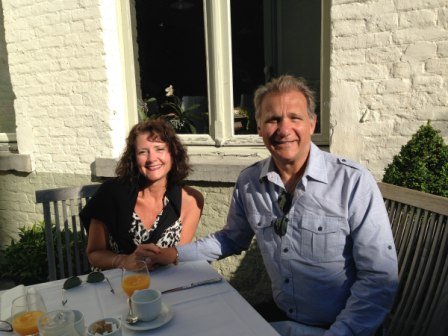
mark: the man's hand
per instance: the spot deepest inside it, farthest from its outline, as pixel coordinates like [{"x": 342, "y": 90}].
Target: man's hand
[
  {"x": 154, "y": 255},
  {"x": 159, "y": 256}
]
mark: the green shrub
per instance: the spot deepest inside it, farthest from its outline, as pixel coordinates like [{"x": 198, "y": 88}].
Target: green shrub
[
  {"x": 25, "y": 261},
  {"x": 422, "y": 163}
]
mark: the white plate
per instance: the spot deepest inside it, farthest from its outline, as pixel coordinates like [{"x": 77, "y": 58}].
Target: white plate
[{"x": 164, "y": 317}]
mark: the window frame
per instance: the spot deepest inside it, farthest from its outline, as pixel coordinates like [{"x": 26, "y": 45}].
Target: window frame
[{"x": 218, "y": 45}]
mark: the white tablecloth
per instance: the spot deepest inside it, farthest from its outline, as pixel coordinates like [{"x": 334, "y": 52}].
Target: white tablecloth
[{"x": 209, "y": 310}]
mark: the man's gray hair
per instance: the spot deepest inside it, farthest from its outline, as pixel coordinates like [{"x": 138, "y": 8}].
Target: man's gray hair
[{"x": 282, "y": 84}]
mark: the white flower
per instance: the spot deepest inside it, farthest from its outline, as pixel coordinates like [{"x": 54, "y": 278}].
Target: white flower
[{"x": 169, "y": 91}]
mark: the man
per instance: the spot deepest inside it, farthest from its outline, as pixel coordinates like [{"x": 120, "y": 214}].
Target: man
[{"x": 319, "y": 220}]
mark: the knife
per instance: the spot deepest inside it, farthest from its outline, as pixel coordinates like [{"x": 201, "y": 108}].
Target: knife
[{"x": 193, "y": 284}]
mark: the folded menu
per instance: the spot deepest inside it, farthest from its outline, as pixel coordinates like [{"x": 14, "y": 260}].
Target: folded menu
[{"x": 8, "y": 296}]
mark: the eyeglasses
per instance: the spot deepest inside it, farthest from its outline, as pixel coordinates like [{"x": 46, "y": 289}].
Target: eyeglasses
[
  {"x": 5, "y": 326},
  {"x": 75, "y": 281},
  {"x": 284, "y": 203}
]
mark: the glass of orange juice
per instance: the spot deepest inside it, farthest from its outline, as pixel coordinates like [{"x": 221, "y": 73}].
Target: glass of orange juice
[
  {"x": 26, "y": 311},
  {"x": 135, "y": 279}
]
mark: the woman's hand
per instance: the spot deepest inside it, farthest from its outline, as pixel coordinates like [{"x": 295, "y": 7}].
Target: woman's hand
[
  {"x": 160, "y": 256},
  {"x": 143, "y": 252}
]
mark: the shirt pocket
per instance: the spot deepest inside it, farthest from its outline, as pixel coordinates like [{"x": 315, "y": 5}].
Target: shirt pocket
[
  {"x": 322, "y": 238},
  {"x": 264, "y": 231}
]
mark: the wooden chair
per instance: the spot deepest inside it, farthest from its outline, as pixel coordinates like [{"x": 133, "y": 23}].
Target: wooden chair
[
  {"x": 420, "y": 228},
  {"x": 64, "y": 235}
]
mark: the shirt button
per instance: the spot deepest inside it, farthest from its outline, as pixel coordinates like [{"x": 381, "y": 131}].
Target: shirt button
[
  {"x": 285, "y": 249},
  {"x": 290, "y": 310},
  {"x": 286, "y": 280},
  {"x": 319, "y": 228},
  {"x": 389, "y": 247},
  {"x": 259, "y": 224}
]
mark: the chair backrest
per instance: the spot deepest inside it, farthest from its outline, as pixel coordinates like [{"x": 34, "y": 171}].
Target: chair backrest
[
  {"x": 65, "y": 237},
  {"x": 420, "y": 228}
]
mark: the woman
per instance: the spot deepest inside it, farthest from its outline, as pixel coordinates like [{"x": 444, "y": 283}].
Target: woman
[{"x": 145, "y": 203}]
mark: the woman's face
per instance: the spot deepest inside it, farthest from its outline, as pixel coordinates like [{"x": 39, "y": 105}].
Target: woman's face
[{"x": 153, "y": 158}]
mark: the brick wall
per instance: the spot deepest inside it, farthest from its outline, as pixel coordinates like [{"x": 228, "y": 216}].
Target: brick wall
[
  {"x": 7, "y": 118},
  {"x": 389, "y": 75},
  {"x": 59, "y": 75}
]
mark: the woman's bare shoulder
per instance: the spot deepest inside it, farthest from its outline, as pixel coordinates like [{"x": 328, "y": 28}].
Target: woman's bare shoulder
[{"x": 191, "y": 196}]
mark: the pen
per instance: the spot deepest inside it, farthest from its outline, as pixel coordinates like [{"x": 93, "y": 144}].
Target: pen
[{"x": 193, "y": 284}]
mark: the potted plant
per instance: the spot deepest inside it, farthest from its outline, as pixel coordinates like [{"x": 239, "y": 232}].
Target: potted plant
[
  {"x": 241, "y": 119},
  {"x": 184, "y": 120}
]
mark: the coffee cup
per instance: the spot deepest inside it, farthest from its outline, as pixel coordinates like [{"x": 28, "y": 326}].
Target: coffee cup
[
  {"x": 79, "y": 323},
  {"x": 147, "y": 304}
]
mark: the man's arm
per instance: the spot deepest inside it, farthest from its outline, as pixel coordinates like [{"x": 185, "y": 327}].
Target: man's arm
[
  {"x": 372, "y": 294},
  {"x": 235, "y": 237}
]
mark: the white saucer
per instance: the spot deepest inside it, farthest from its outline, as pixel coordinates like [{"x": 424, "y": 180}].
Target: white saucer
[{"x": 164, "y": 317}]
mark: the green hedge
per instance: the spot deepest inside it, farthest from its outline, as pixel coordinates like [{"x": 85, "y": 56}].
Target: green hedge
[
  {"x": 422, "y": 163},
  {"x": 25, "y": 261}
]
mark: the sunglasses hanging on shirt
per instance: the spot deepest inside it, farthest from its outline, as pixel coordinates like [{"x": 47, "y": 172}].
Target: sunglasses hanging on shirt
[{"x": 284, "y": 203}]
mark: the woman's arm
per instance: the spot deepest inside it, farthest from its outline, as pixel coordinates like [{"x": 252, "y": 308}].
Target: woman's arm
[
  {"x": 98, "y": 252},
  {"x": 101, "y": 256},
  {"x": 192, "y": 205}
]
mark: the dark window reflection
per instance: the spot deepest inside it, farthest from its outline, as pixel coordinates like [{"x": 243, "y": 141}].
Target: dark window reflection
[
  {"x": 171, "y": 43},
  {"x": 269, "y": 38},
  {"x": 247, "y": 60}
]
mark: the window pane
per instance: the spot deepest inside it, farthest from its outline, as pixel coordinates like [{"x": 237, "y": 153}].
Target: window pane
[
  {"x": 271, "y": 38},
  {"x": 298, "y": 26},
  {"x": 171, "y": 43},
  {"x": 247, "y": 60}
]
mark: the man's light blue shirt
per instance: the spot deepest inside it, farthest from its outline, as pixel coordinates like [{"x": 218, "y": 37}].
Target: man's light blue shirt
[{"x": 337, "y": 262}]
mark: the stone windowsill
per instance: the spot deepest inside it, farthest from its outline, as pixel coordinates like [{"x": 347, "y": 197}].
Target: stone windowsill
[
  {"x": 204, "y": 169},
  {"x": 17, "y": 162},
  {"x": 208, "y": 164}
]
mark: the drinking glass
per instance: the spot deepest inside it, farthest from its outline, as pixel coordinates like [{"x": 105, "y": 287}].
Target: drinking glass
[
  {"x": 58, "y": 323},
  {"x": 135, "y": 279},
  {"x": 26, "y": 311}
]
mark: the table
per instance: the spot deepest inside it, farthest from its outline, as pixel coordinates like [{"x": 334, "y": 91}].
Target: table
[{"x": 210, "y": 310}]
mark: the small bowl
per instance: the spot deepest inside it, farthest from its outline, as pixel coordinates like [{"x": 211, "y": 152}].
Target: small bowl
[{"x": 108, "y": 326}]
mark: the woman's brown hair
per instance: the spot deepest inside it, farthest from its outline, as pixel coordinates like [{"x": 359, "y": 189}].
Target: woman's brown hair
[{"x": 161, "y": 130}]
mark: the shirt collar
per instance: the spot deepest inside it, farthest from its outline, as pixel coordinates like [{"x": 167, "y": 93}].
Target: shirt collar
[{"x": 316, "y": 168}]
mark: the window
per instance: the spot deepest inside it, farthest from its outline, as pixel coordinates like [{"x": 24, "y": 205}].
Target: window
[{"x": 216, "y": 53}]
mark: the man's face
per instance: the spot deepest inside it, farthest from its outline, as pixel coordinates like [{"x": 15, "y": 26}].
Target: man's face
[{"x": 286, "y": 128}]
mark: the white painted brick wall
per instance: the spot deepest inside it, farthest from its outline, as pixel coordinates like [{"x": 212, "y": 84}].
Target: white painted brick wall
[
  {"x": 59, "y": 78},
  {"x": 389, "y": 73},
  {"x": 395, "y": 53}
]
